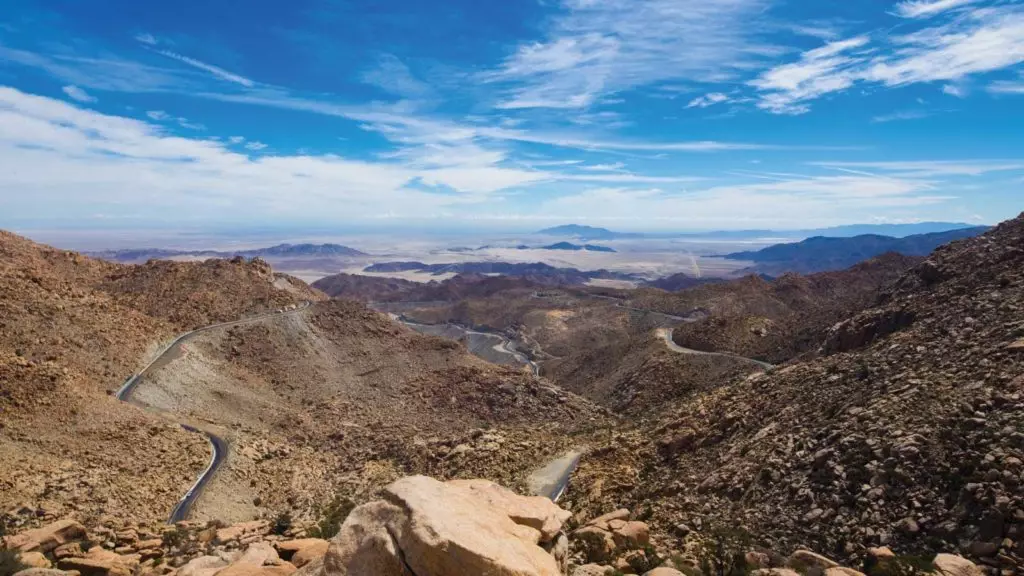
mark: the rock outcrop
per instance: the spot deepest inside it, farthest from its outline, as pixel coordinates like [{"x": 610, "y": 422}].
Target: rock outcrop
[{"x": 424, "y": 526}]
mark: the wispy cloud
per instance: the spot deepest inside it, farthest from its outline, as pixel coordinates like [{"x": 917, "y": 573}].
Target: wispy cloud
[
  {"x": 1007, "y": 87},
  {"x": 982, "y": 41},
  {"x": 216, "y": 71},
  {"x": 76, "y": 93},
  {"x": 955, "y": 90},
  {"x": 901, "y": 115},
  {"x": 255, "y": 145},
  {"x": 599, "y": 48},
  {"x": 928, "y": 8},
  {"x": 392, "y": 75},
  {"x": 930, "y": 169},
  {"x": 146, "y": 38},
  {"x": 830, "y": 68},
  {"x": 708, "y": 100},
  {"x": 158, "y": 115}
]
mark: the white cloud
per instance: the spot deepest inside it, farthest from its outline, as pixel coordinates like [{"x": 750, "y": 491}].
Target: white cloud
[
  {"x": 928, "y": 8},
  {"x": 980, "y": 42},
  {"x": 708, "y": 100},
  {"x": 931, "y": 169},
  {"x": 392, "y": 75},
  {"x": 76, "y": 93},
  {"x": 185, "y": 123},
  {"x": 594, "y": 49},
  {"x": 216, "y": 71},
  {"x": 604, "y": 167},
  {"x": 901, "y": 115},
  {"x": 158, "y": 115},
  {"x": 788, "y": 87},
  {"x": 236, "y": 139},
  {"x": 146, "y": 38},
  {"x": 955, "y": 90},
  {"x": 1006, "y": 87},
  {"x": 255, "y": 145}
]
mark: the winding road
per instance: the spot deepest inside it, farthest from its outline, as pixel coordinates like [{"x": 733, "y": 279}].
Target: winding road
[
  {"x": 218, "y": 446},
  {"x": 666, "y": 335}
]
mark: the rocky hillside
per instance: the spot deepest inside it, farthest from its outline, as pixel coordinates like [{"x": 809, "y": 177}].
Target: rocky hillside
[
  {"x": 907, "y": 433},
  {"x": 71, "y": 330},
  {"x": 778, "y": 319}
]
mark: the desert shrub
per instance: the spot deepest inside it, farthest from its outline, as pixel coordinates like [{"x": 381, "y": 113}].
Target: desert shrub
[
  {"x": 175, "y": 538},
  {"x": 899, "y": 566},
  {"x": 645, "y": 562},
  {"x": 10, "y": 563},
  {"x": 723, "y": 553},
  {"x": 332, "y": 517},
  {"x": 282, "y": 523}
]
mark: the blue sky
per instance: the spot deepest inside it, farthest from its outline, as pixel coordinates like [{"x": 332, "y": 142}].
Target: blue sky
[{"x": 631, "y": 114}]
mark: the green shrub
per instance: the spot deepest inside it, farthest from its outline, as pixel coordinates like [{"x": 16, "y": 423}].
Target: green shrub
[
  {"x": 10, "y": 564},
  {"x": 282, "y": 523},
  {"x": 899, "y": 566},
  {"x": 332, "y": 517},
  {"x": 723, "y": 553}
]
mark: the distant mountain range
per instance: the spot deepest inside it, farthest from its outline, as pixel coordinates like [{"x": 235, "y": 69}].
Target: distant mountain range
[
  {"x": 586, "y": 232},
  {"x": 278, "y": 251},
  {"x": 846, "y": 231},
  {"x": 819, "y": 254},
  {"x": 577, "y": 247},
  {"x": 532, "y": 269}
]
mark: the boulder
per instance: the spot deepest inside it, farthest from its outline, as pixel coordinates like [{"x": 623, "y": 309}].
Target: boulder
[
  {"x": 598, "y": 545},
  {"x": 631, "y": 535},
  {"x": 310, "y": 553},
  {"x": 953, "y": 565},
  {"x": 240, "y": 531},
  {"x": 841, "y": 571},
  {"x": 663, "y": 571},
  {"x": 533, "y": 511},
  {"x": 775, "y": 572},
  {"x": 592, "y": 570},
  {"x": 34, "y": 560},
  {"x": 603, "y": 520},
  {"x": 94, "y": 567},
  {"x": 41, "y": 572},
  {"x": 48, "y": 537},
  {"x": 288, "y": 548},
  {"x": 808, "y": 559},
  {"x": 202, "y": 566},
  {"x": 429, "y": 527}
]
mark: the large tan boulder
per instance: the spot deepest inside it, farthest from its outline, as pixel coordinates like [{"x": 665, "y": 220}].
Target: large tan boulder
[
  {"x": 48, "y": 537},
  {"x": 533, "y": 511},
  {"x": 663, "y": 571},
  {"x": 953, "y": 565},
  {"x": 310, "y": 553},
  {"x": 202, "y": 566},
  {"x": 259, "y": 559},
  {"x": 424, "y": 526},
  {"x": 808, "y": 559}
]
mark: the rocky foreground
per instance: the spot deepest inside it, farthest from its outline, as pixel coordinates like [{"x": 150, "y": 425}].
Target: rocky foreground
[{"x": 420, "y": 527}]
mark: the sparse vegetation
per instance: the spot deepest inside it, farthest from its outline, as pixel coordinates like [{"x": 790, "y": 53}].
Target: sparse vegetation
[
  {"x": 899, "y": 566},
  {"x": 282, "y": 523},
  {"x": 723, "y": 553},
  {"x": 332, "y": 517},
  {"x": 10, "y": 563}
]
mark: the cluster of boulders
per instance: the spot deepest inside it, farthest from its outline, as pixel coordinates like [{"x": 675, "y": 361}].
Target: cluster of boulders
[{"x": 184, "y": 549}]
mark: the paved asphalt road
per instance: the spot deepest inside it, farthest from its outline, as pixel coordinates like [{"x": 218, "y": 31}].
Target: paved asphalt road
[
  {"x": 666, "y": 334},
  {"x": 218, "y": 446}
]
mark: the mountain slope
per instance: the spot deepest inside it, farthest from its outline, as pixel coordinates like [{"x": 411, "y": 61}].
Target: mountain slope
[
  {"x": 71, "y": 330},
  {"x": 819, "y": 254},
  {"x": 907, "y": 434}
]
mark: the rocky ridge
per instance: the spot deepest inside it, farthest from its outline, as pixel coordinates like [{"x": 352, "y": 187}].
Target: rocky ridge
[{"x": 905, "y": 434}]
